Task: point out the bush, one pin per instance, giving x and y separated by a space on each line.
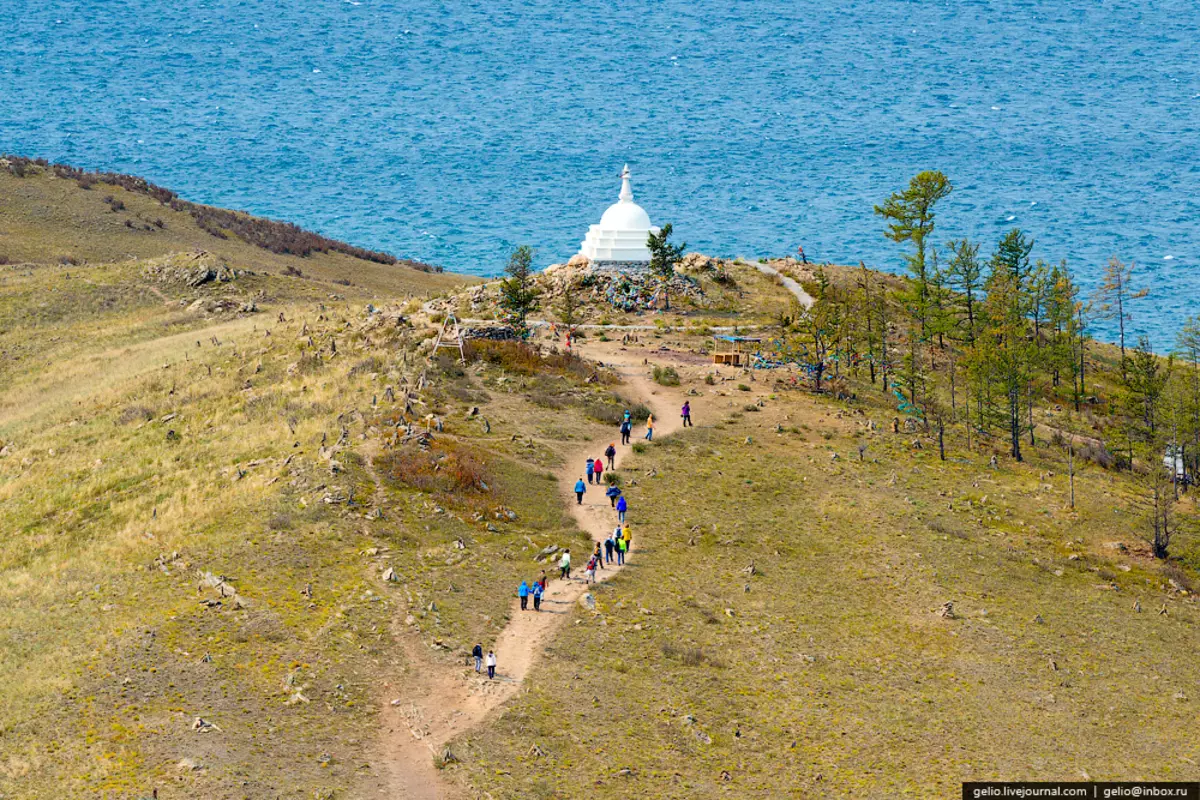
666 376
611 408
709 380
279 522
525 359
131 414
743 387
639 447
445 467
367 366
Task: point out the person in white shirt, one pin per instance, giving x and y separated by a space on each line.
491 664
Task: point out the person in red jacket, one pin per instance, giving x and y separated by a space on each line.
598 468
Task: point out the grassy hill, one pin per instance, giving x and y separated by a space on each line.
229 517
780 632
54 214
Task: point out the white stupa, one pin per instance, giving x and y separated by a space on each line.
619 241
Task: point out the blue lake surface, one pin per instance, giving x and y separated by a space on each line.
451 131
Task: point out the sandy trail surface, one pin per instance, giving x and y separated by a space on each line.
438 703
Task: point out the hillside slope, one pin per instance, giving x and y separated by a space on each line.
49 216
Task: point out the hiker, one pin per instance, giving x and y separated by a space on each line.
610 454
622 507
627 537
628 416
580 488
591 469
650 428
598 465
621 548
491 664
589 572
626 429
612 493
478 653
609 546
800 252
523 593
598 557
538 591
686 413
564 565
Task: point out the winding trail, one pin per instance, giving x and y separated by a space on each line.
440 702
790 284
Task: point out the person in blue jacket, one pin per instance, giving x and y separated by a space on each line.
612 493
591 469
622 507
538 591
523 593
580 488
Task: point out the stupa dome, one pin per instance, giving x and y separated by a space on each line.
620 238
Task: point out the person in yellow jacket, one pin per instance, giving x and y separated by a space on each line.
626 536
650 428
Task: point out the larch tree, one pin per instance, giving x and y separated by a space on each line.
1188 347
964 278
910 217
1115 297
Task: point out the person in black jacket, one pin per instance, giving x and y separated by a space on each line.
478 653
610 454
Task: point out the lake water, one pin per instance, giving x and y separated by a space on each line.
450 132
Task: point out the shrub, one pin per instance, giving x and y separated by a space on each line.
131 414
290 270
279 522
610 409
445 467
743 387
639 447
666 376
709 379
525 359
367 366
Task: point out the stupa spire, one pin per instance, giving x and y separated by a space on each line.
626 190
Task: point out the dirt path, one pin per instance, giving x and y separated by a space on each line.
440 703
791 285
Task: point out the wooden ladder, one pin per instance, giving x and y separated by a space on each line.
450 336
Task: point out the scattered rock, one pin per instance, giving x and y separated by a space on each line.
390 575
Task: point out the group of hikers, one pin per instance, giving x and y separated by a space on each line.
615 546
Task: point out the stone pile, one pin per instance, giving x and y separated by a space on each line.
494 333
191 270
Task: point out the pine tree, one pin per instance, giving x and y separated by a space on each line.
663 258
518 296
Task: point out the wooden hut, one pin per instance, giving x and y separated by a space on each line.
734 351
